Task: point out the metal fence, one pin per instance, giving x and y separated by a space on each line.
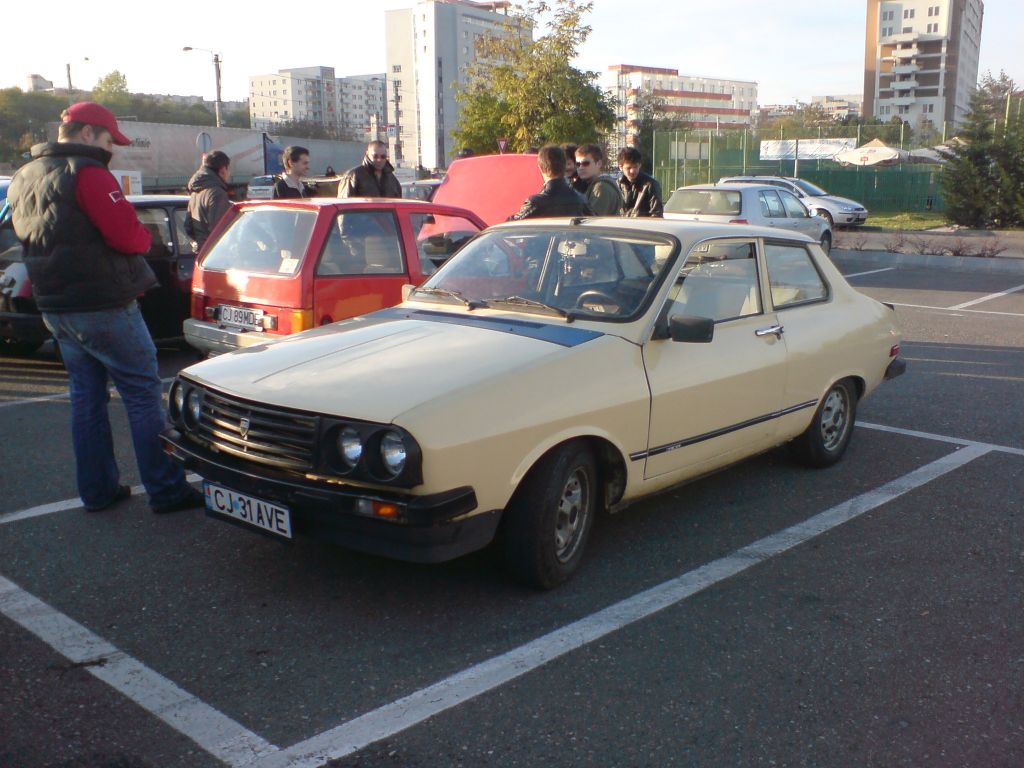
705 156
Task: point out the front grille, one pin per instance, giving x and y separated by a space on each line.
267 435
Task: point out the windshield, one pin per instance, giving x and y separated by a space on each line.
269 241
717 202
570 272
809 189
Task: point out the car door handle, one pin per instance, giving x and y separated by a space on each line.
771 330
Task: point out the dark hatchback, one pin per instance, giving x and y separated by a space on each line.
164 308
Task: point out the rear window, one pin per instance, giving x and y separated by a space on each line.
720 202
268 241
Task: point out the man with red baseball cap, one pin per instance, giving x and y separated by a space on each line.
84 251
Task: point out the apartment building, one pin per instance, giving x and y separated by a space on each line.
429 48
705 102
363 106
921 59
304 93
839 107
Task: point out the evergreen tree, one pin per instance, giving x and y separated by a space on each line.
969 178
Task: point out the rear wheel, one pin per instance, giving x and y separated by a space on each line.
827 217
823 443
548 521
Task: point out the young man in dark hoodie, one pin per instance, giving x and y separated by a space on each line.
209 199
84 251
374 178
557 197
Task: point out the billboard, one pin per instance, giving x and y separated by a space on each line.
810 149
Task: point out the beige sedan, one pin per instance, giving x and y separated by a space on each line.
550 369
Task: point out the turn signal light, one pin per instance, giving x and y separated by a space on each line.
297 319
387 511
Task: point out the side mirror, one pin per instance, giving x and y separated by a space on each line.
690 328
407 290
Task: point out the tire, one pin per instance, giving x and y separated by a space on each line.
827 217
13 348
826 242
548 521
824 442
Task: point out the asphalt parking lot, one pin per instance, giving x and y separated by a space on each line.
864 615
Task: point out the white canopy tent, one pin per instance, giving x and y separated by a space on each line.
875 152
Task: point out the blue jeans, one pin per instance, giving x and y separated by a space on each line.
115 343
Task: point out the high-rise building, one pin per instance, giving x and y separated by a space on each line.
362 106
304 94
704 102
429 48
921 59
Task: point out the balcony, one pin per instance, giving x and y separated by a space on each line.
905 37
903 85
906 69
905 53
904 100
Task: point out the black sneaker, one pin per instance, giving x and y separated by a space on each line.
122 493
191 500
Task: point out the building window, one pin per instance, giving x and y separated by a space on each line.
907 30
396 68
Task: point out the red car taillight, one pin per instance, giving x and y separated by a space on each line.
894 350
738 221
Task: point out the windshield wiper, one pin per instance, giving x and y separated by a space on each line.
470 303
525 302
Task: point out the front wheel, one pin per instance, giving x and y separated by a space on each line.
824 442
827 217
548 521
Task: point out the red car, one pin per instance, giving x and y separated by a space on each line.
277 267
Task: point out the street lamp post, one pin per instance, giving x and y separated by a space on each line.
216 72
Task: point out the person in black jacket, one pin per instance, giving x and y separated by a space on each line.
374 178
641 193
289 184
557 197
208 196
84 249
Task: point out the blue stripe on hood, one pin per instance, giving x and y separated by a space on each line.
562 335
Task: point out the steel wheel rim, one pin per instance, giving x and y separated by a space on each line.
835 419
571 516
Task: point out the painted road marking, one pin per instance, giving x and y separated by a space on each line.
216 733
990 297
963 311
386 721
64 395
870 272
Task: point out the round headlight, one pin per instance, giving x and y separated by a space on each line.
392 452
194 406
350 446
177 400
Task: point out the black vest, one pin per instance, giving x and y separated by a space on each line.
71 267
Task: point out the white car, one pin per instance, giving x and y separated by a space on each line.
760 204
838 211
260 188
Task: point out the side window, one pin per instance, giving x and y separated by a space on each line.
794 207
438 237
771 206
718 280
362 242
156 221
792 276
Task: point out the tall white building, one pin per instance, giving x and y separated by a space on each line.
304 93
429 48
705 102
362 106
921 59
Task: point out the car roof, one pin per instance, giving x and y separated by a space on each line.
360 202
687 232
158 199
735 186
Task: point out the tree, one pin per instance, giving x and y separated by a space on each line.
526 90
652 115
112 92
23 119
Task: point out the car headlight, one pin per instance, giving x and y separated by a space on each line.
393 452
847 208
350 446
177 400
193 407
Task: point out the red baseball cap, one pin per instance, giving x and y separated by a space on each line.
96 114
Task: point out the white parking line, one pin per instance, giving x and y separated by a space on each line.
989 297
952 309
942 438
218 734
870 272
463 686
60 395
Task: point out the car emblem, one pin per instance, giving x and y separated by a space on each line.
243 427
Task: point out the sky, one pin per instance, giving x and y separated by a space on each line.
792 50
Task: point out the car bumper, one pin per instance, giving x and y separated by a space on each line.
851 219
434 528
18 326
216 340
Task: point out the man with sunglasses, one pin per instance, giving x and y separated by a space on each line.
374 178
602 193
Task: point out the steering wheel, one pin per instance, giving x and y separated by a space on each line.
597 297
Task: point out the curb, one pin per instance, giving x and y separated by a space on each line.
995 265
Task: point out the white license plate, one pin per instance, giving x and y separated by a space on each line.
241 317
256 512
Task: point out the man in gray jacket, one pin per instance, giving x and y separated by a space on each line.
209 200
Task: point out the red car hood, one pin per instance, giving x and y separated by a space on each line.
492 186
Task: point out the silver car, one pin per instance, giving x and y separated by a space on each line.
838 211
759 204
